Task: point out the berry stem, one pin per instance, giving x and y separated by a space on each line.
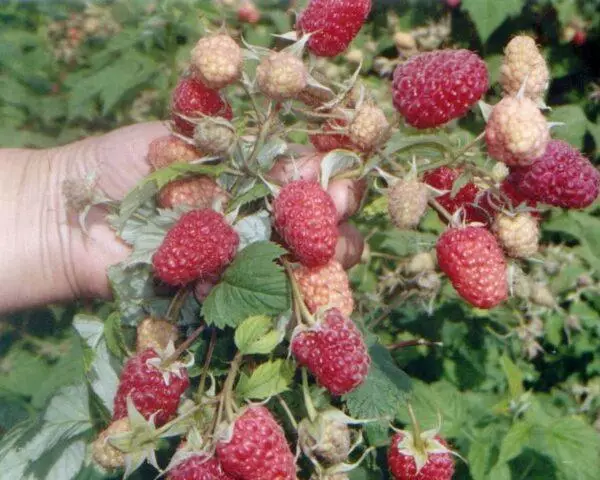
441 210
468 147
183 347
176 305
308 403
419 445
227 399
263 134
205 367
414 343
288 412
301 311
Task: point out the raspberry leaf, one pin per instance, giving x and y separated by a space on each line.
392 386
256 336
254 228
336 162
488 15
268 379
252 285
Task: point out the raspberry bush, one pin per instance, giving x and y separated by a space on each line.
354 230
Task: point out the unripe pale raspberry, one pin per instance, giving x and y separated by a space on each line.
562 177
326 286
169 149
217 60
281 76
326 439
214 136
407 202
541 295
420 263
518 234
523 60
155 333
103 452
517 132
197 192
368 128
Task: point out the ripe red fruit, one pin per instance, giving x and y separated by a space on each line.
333 23
562 177
198 467
433 88
475 264
579 38
258 449
326 142
443 178
200 245
192 98
509 198
334 351
153 391
401 460
306 218
248 12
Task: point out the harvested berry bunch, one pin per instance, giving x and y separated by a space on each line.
334 351
433 88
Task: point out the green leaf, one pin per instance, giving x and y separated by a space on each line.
514 376
102 374
481 452
517 438
402 242
252 285
576 124
113 334
488 15
259 190
131 288
268 379
391 385
256 336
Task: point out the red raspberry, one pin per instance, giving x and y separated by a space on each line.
192 98
510 198
200 245
198 467
197 192
443 178
248 12
152 390
334 351
306 218
433 88
401 460
475 264
327 142
258 449
562 177
334 24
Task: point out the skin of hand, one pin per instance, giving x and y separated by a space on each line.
45 255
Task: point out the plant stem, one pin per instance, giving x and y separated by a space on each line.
308 403
297 295
183 347
468 146
416 429
227 399
288 412
262 136
441 210
207 360
176 305
413 343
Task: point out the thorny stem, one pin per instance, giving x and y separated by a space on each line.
184 346
308 403
176 305
207 360
413 343
288 412
264 132
297 295
259 115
